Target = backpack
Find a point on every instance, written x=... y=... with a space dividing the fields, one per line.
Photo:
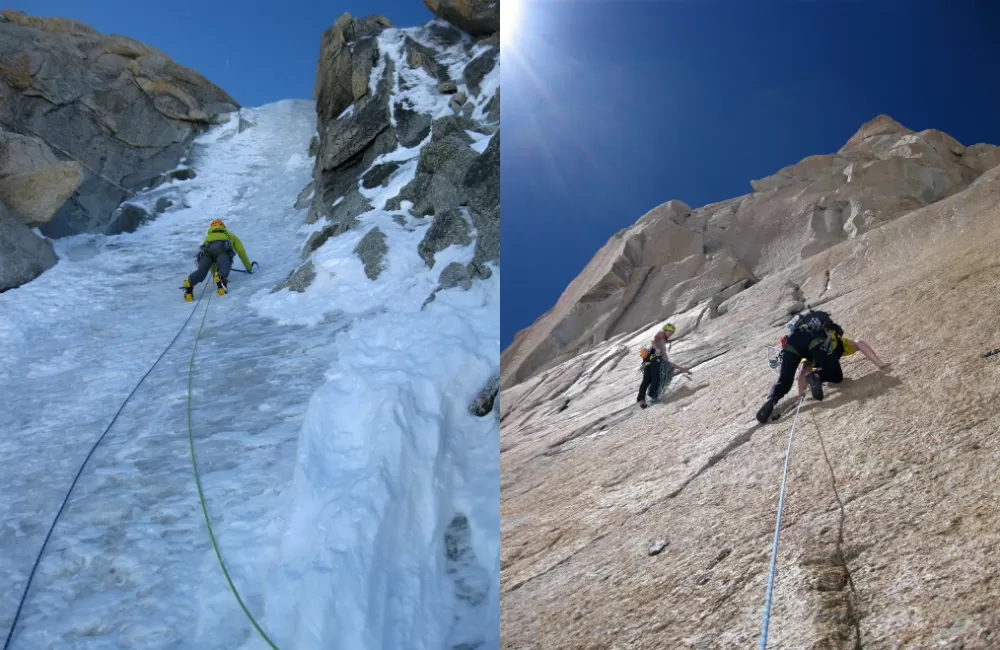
x=815 y=322
x=647 y=353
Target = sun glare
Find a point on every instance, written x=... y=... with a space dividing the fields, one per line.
x=510 y=13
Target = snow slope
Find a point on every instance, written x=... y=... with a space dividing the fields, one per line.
x=354 y=497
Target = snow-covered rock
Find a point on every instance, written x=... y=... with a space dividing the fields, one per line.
x=395 y=139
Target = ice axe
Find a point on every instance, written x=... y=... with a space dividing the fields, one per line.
x=252 y=265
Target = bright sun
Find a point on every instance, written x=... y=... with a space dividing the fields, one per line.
x=510 y=13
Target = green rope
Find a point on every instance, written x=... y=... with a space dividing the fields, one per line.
x=201 y=494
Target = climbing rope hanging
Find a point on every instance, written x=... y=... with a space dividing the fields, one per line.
x=55 y=520
x=201 y=494
x=777 y=531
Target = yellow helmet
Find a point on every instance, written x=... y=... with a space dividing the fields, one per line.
x=217 y=224
x=669 y=328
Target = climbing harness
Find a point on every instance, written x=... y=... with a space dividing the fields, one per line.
x=777 y=530
x=55 y=520
x=197 y=479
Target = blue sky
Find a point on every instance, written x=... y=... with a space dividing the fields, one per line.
x=613 y=108
x=258 y=52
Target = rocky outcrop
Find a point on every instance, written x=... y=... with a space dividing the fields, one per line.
x=481 y=186
x=347 y=55
x=885 y=509
x=883 y=172
x=493 y=109
x=124 y=110
x=34 y=182
x=476 y=17
x=371 y=250
x=479 y=67
x=645 y=273
x=352 y=120
x=23 y=255
x=451 y=175
x=299 y=280
x=485 y=402
x=411 y=127
x=449 y=227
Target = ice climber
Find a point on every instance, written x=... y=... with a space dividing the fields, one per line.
x=657 y=370
x=216 y=254
x=813 y=338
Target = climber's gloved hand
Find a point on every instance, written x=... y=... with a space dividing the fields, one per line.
x=252 y=265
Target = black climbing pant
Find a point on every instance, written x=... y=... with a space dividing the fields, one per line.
x=827 y=362
x=219 y=253
x=650 y=379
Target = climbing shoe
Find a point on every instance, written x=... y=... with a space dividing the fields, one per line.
x=188 y=290
x=815 y=385
x=764 y=414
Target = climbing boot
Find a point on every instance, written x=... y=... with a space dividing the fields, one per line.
x=188 y=290
x=222 y=283
x=764 y=414
x=815 y=385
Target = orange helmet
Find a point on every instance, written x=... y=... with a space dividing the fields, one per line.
x=644 y=353
x=217 y=224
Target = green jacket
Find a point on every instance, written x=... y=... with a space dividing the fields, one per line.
x=220 y=234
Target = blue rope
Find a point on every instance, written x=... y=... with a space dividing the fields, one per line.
x=777 y=530
x=55 y=520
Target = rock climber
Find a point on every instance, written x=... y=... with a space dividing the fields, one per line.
x=661 y=338
x=651 y=362
x=812 y=339
x=216 y=254
x=668 y=369
x=844 y=347
x=657 y=369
